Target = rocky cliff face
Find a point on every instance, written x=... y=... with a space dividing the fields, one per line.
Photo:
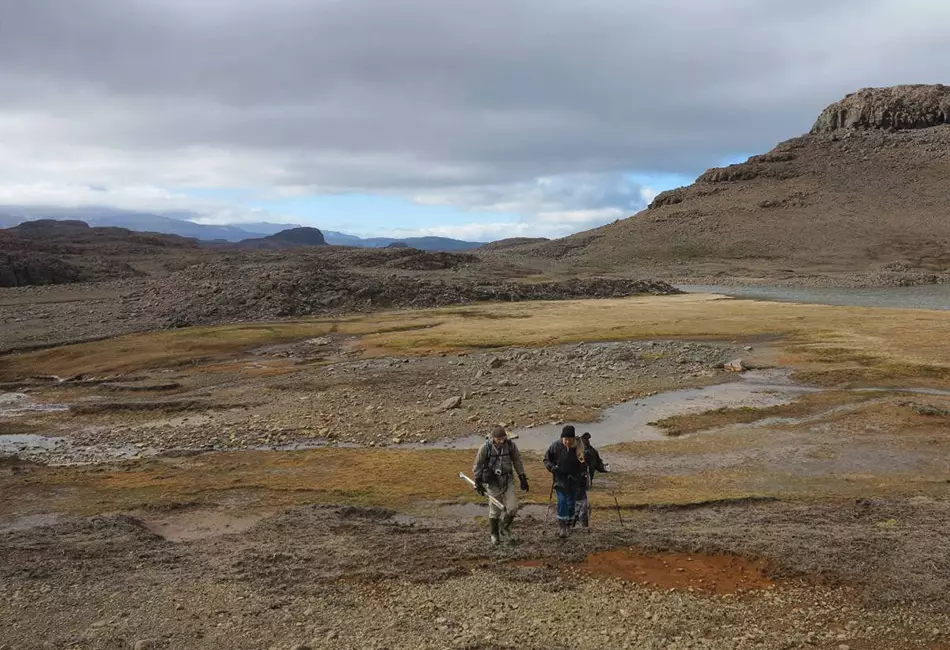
x=894 y=108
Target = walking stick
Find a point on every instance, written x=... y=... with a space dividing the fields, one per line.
x=617 y=503
x=551 y=494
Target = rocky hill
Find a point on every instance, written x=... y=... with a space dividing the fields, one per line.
x=865 y=189
x=47 y=251
x=290 y=238
x=511 y=242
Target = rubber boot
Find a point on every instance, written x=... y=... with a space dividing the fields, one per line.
x=495 y=525
x=506 y=526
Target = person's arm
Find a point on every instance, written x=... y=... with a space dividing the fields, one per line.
x=550 y=459
x=596 y=461
x=480 y=459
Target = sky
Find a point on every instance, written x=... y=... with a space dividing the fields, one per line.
x=476 y=119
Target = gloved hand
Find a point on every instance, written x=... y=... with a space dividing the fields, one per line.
x=480 y=488
x=555 y=469
x=524 y=482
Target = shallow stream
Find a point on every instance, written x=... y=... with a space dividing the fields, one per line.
x=931 y=296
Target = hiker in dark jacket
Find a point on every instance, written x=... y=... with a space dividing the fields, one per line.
x=496 y=463
x=565 y=460
x=594 y=464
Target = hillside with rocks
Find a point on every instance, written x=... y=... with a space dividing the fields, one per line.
x=263 y=288
x=47 y=251
x=864 y=191
x=289 y=238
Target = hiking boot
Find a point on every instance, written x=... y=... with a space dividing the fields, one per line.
x=565 y=529
x=495 y=532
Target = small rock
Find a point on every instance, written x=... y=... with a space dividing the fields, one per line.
x=302 y=646
x=496 y=362
x=145 y=644
x=736 y=365
x=451 y=403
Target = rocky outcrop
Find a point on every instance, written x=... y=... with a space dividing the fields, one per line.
x=21 y=270
x=219 y=292
x=894 y=108
x=769 y=165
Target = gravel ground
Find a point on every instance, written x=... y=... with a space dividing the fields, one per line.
x=350 y=578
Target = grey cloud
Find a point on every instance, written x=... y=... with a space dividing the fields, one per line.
x=417 y=96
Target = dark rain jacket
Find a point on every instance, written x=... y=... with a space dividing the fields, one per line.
x=570 y=473
x=594 y=462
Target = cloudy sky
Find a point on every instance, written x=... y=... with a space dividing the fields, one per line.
x=472 y=118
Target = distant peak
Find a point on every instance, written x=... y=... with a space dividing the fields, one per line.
x=917 y=106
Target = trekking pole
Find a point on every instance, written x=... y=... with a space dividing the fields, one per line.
x=551 y=494
x=617 y=503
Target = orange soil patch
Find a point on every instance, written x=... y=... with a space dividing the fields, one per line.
x=714 y=574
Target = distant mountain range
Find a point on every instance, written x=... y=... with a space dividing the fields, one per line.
x=178 y=224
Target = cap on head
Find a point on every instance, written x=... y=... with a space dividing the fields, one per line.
x=498 y=431
x=568 y=431
x=586 y=436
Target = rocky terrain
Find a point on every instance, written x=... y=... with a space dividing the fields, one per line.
x=863 y=193
x=268 y=285
x=47 y=252
x=304 y=493
x=323 y=390
x=356 y=578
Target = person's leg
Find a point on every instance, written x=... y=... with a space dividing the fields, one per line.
x=511 y=505
x=494 y=513
x=583 y=510
x=565 y=510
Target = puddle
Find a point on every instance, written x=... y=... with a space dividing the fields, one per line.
x=61 y=451
x=202 y=524
x=629 y=421
x=463 y=512
x=713 y=574
x=931 y=296
x=15 y=443
x=14 y=404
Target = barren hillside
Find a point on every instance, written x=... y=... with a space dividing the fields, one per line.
x=867 y=187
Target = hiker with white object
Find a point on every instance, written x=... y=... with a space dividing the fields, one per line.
x=496 y=464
